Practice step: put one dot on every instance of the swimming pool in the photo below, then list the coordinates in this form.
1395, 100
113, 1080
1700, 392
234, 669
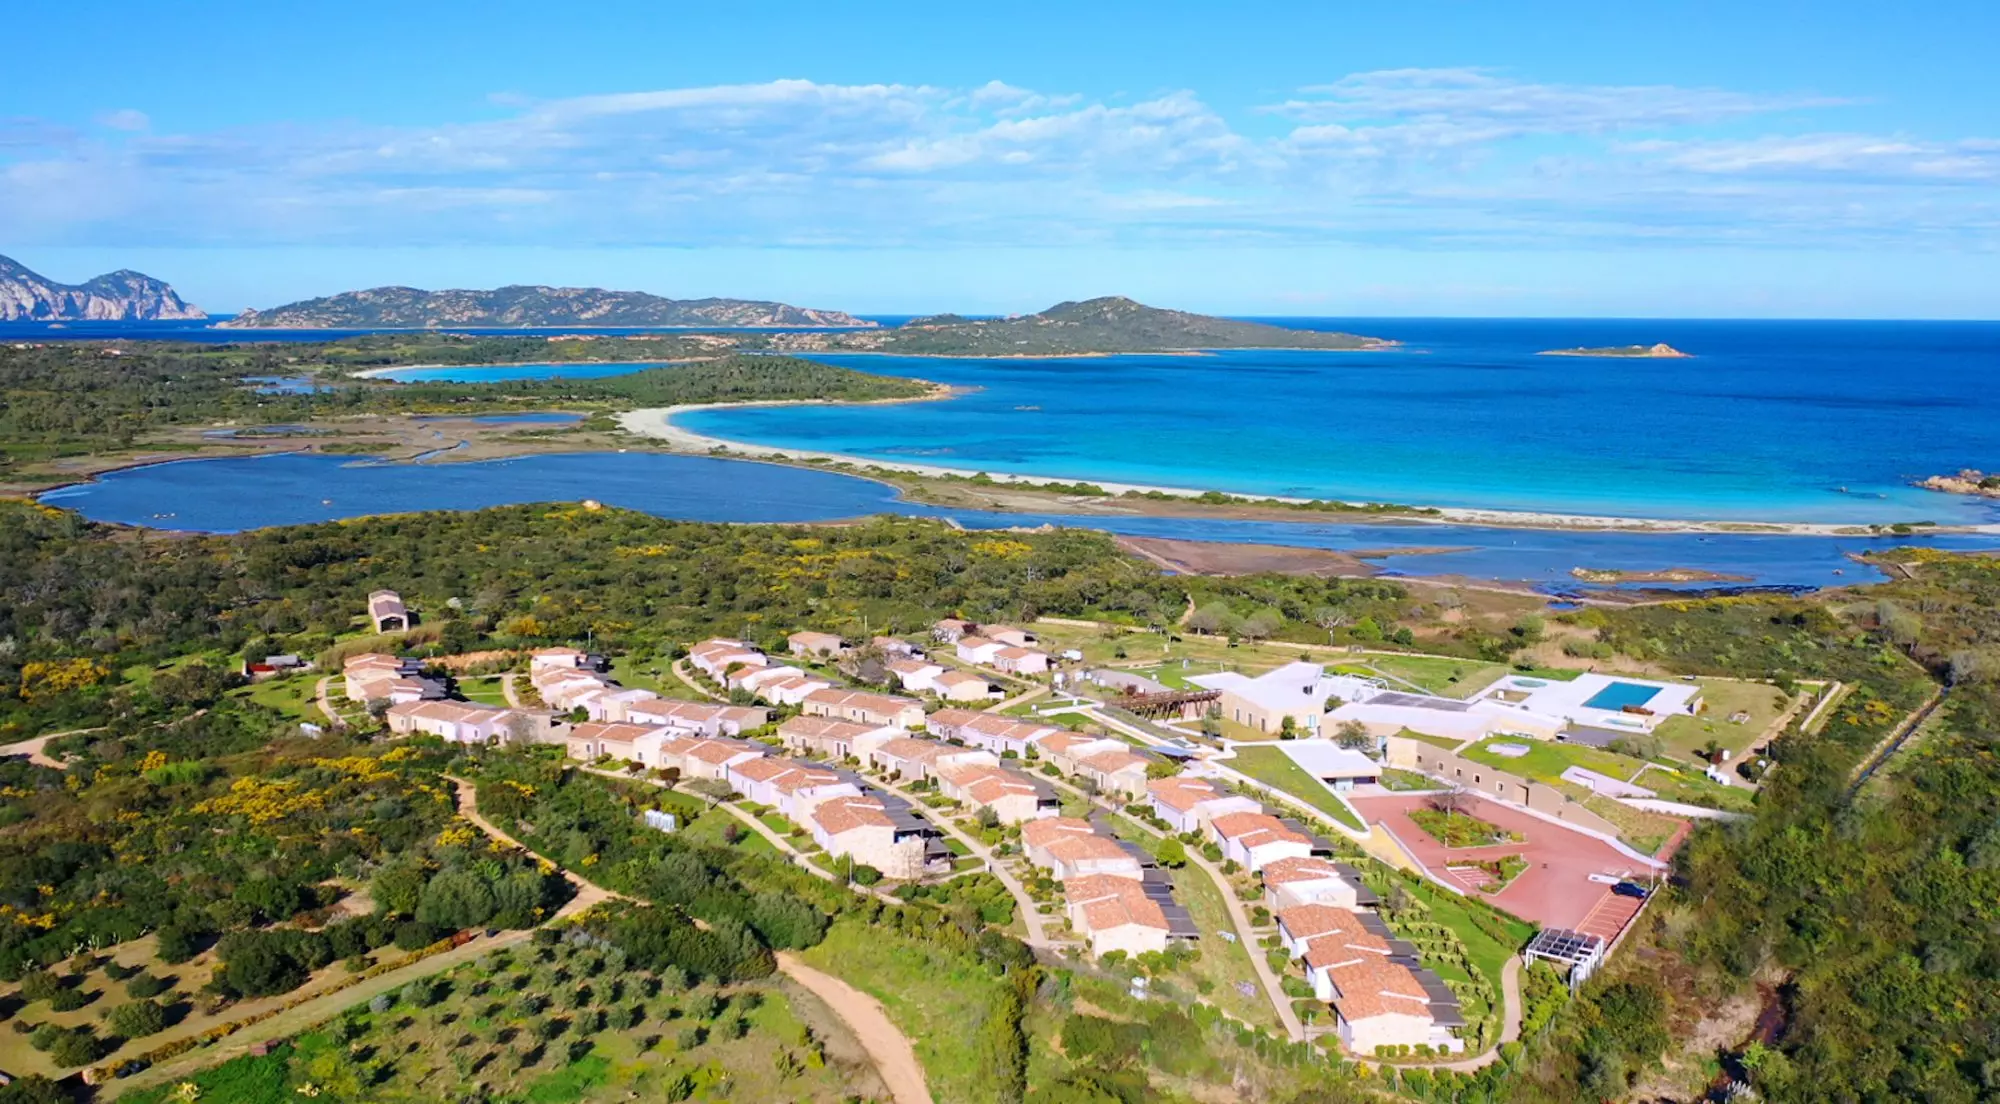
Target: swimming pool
1618, 695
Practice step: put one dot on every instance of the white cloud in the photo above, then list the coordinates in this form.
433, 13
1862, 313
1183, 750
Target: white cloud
1420, 157
125, 119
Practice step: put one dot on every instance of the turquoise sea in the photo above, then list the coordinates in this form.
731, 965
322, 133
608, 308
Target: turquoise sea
1793, 421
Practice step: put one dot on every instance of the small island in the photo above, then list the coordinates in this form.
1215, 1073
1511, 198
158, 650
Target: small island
1662, 350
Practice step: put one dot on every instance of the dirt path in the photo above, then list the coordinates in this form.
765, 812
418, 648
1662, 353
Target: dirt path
886, 1044
588, 893
33, 748
507, 692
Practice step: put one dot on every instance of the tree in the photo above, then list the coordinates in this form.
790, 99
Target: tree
1451, 802
713, 789
1172, 853
456, 899
1354, 736
1216, 617
1288, 728
1330, 619
1261, 625
138, 1019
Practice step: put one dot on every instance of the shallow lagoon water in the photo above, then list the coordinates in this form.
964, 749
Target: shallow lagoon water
229, 495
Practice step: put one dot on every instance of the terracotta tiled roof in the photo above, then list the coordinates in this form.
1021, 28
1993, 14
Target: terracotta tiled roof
1287, 870
617, 732
844, 814
1255, 829
1114, 762
1109, 902
1040, 833
1181, 793
1373, 986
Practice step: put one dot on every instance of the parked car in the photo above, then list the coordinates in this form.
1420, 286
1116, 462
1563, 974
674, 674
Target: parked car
1631, 889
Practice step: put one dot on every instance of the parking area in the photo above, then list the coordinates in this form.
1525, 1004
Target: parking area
1554, 891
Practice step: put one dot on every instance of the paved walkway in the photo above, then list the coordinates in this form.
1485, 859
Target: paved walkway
324, 698
1510, 1025
507, 691
1025, 905
681, 673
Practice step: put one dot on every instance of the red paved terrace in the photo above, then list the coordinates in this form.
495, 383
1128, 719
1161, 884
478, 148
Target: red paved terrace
1555, 891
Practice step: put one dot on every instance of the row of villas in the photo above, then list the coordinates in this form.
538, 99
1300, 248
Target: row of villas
1114, 894
742, 666
374, 676
845, 815
970, 775
568, 680
1001, 647
1380, 993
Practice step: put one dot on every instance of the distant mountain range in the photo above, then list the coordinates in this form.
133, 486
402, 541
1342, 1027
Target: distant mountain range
121, 296
1107, 325
518, 306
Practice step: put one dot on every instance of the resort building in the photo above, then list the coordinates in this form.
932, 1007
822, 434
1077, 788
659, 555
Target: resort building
458, 722
1014, 797
1189, 803
796, 792
1020, 661
977, 649
881, 831
1010, 636
1390, 712
1301, 691
1380, 995
1335, 767
915, 674
862, 707
964, 686
895, 647
593, 740
1118, 770
571, 658
716, 658
833, 739
815, 645
914, 759
1316, 881
372, 676
1594, 708
996, 732
1068, 847
387, 612
1115, 914
950, 630
710, 757
699, 717
1255, 839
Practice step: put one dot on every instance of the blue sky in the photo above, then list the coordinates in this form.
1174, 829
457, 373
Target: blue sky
1830, 159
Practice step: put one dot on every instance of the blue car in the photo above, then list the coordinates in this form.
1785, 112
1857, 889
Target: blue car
1631, 889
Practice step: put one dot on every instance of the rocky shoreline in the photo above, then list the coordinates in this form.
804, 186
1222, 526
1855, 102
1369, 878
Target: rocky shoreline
1968, 481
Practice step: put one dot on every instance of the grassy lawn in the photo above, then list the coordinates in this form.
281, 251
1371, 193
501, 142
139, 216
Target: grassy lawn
1273, 767
1435, 741
1641, 830
1451, 678
484, 690
1546, 759
1683, 736
481, 1026
1222, 974
1393, 779
936, 999
291, 696
711, 828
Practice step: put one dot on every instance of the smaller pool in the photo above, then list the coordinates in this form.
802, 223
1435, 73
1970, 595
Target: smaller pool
1529, 684
1618, 695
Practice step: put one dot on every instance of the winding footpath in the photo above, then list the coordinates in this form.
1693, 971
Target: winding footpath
1024, 905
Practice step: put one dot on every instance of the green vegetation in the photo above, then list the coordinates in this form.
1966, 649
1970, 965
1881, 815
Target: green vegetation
1273, 767
69, 399
1106, 325
577, 1019
1456, 829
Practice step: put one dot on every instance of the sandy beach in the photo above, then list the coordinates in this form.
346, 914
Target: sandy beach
658, 424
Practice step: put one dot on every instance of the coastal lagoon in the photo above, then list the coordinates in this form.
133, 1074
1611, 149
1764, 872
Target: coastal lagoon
228, 495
